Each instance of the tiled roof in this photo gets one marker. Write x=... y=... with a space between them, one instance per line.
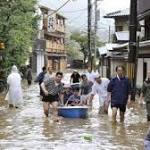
x=125 y=12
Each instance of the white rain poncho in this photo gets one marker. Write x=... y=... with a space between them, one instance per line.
x=15 y=96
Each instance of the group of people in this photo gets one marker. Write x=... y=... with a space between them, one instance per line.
x=117 y=91
x=80 y=91
x=83 y=88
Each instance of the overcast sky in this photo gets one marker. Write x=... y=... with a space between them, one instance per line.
x=79 y=18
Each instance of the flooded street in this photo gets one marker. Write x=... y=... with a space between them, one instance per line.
x=27 y=128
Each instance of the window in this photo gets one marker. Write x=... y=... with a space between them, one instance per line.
x=119 y=28
x=50 y=23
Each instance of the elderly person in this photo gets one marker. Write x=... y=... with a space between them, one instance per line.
x=15 y=97
x=145 y=92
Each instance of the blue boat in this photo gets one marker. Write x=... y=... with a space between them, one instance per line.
x=73 y=111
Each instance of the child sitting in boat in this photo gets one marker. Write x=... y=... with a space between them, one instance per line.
x=67 y=93
x=74 y=99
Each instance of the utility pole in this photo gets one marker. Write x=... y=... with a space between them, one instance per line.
x=89 y=31
x=109 y=40
x=95 y=31
x=133 y=45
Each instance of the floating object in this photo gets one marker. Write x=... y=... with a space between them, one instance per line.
x=88 y=137
x=73 y=111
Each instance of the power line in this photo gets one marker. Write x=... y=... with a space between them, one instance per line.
x=73 y=11
x=55 y=11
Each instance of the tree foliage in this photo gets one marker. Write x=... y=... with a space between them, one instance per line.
x=82 y=39
x=73 y=49
x=18 y=26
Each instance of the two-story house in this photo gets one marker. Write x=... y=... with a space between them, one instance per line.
x=50 y=44
x=116 y=53
x=143 y=10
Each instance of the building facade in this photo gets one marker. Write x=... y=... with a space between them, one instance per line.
x=116 y=52
x=143 y=10
x=49 y=47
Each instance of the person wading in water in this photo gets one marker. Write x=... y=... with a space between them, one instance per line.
x=53 y=92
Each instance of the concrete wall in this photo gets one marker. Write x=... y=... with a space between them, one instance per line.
x=148 y=63
x=140 y=70
x=103 y=71
x=40 y=62
x=122 y=22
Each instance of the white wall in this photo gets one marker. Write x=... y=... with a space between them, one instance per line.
x=104 y=72
x=40 y=62
x=139 y=81
x=140 y=70
x=148 y=63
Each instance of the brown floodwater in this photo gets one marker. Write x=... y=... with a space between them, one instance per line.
x=26 y=128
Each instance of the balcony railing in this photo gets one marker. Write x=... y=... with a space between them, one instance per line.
x=54 y=47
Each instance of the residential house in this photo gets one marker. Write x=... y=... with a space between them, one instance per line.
x=116 y=53
x=49 y=49
x=143 y=14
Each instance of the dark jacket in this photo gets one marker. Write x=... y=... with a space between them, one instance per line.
x=120 y=89
x=29 y=74
x=40 y=77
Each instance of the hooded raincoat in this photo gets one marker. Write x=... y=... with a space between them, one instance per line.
x=15 y=96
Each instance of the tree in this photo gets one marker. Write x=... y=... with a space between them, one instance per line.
x=82 y=39
x=18 y=26
x=73 y=49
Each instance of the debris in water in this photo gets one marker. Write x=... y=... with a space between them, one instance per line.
x=88 y=137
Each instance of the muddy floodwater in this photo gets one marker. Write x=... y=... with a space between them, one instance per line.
x=26 y=128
